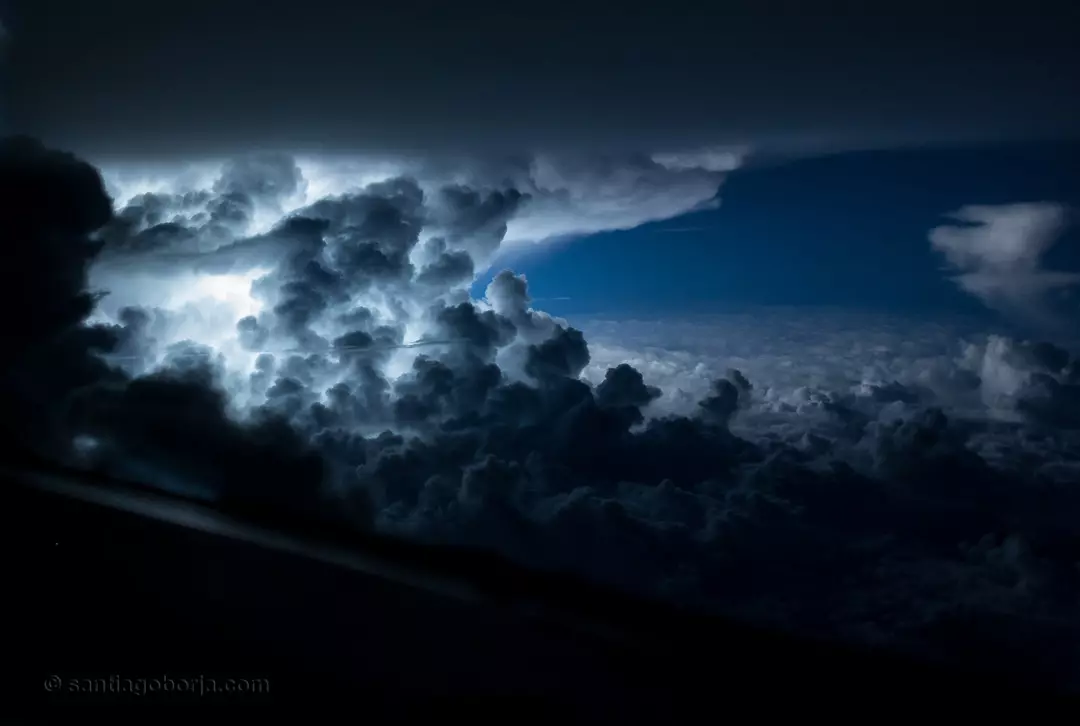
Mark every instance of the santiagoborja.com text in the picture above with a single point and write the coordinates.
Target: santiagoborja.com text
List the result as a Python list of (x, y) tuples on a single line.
[(164, 684)]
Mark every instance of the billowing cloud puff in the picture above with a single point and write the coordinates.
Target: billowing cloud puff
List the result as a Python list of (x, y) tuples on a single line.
[(851, 475)]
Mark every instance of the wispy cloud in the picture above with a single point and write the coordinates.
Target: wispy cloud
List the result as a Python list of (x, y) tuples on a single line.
[(998, 251)]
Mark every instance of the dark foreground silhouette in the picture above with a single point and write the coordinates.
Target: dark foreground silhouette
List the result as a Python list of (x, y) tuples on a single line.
[(121, 600)]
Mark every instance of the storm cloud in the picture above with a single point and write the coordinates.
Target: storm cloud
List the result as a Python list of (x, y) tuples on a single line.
[(854, 478)]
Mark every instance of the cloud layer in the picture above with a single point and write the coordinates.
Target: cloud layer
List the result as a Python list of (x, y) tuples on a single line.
[(902, 482)]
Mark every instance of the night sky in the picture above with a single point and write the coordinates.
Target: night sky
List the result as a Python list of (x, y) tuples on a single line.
[(845, 230), (769, 309), (196, 78)]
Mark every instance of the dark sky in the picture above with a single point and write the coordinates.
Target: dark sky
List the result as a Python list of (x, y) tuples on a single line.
[(124, 78)]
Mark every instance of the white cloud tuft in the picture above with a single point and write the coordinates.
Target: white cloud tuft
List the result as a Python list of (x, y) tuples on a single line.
[(998, 252)]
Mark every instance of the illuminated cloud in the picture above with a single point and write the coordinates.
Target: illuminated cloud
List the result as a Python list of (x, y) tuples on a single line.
[(568, 195), (999, 250)]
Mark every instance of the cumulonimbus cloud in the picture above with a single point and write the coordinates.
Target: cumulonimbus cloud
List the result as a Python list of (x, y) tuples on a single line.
[(850, 476)]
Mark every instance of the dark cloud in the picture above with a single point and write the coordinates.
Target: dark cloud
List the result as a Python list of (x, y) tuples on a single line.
[(564, 355), (448, 270), (623, 386), (1049, 401), (173, 427), (479, 332), (476, 220), (52, 203), (874, 512), (724, 399)]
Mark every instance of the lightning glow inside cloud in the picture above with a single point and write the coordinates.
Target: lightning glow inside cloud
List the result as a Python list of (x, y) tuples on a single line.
[(180, 218)]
